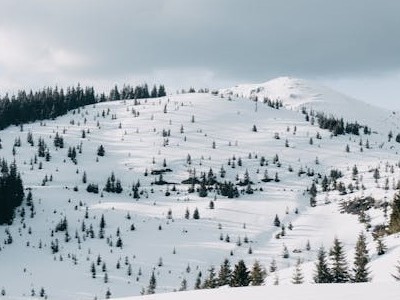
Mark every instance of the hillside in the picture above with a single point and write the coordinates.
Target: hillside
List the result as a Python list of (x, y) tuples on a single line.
[(271, 157), (297, 93)]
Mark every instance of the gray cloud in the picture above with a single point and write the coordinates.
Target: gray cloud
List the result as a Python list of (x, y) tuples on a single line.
[(238, 40)]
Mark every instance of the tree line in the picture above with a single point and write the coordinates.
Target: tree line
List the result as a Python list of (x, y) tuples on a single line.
[(49, 103), (11, 191)]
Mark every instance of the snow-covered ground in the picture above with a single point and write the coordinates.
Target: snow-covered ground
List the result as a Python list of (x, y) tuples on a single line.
[(212, 130), (368, 291)]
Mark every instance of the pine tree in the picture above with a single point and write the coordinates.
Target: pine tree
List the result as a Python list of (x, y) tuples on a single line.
[(322, 273), (257, 274), (273, 267), (101, 151), (380, 245), (197, 285), (211, 282), (394, 223), (102, 226), (183, 285), (298, 277), (225, 273), (196, 214), (339, 269), (108, 294), (187, 213), (277, 222), (285, 252), (240, 275), (151, 288), (361, 260), (93, 270)]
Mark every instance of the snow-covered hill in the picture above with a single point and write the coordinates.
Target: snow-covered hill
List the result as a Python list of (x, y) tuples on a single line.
[(298, 93), (190, 134)]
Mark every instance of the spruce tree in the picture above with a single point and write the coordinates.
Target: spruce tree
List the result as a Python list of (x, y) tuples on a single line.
[(298, 277), (196, 214), (322, 272), (380, 245), (257, 274), (240, 275), (394, 223), (93, 270), (361, 260), (211, 282), (339, 267), (151, 288), (183, 285), (225, 273), (277, 222), (197, 284), (273, 267)]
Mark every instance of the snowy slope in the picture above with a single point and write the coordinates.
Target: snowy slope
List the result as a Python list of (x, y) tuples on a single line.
[(303, 292), (297, 93), (133, 139)]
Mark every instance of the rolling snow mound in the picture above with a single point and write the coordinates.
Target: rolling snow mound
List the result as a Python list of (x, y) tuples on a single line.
[(298, 93)]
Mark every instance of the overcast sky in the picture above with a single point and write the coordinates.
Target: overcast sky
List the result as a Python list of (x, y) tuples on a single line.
[(351, 45)]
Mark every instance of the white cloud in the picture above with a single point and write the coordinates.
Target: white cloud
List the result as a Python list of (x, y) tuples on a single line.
[(20, 52)]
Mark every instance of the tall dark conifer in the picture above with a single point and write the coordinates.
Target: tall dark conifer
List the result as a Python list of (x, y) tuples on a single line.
[(225, 273), (339, 267), (322, 272), (394, 223), (240, 275), (361, 260)]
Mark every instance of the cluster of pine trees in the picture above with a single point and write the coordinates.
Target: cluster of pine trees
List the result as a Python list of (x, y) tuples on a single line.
[(336, 268), (335, 125), (138, 92), (49, 103), (44, 104), (239, 276), (11, 191)]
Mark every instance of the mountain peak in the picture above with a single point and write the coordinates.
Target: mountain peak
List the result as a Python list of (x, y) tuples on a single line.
[(296, 93)]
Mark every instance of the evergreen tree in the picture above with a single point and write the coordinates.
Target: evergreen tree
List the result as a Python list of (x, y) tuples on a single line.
[(93, 270), (240, 275), (151, 288), (161, 91), (394, 223), (11, 191), (322, 273), (277, 222), (108, 294), (187, 213), (361, 260), (211, 282), (197, 285), (196, 214), (257, 274), (153, 93), (101, 151), (273, 267), (183, 285), (339, 269), (225, 273), (298, 277), (380, 245)]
